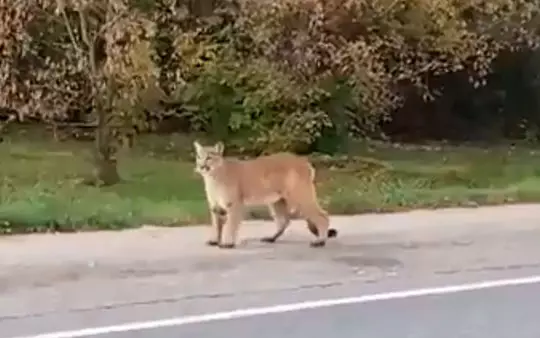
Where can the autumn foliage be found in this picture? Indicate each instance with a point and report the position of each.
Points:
(279, 73)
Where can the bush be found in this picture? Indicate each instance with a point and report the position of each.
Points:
(283, 74)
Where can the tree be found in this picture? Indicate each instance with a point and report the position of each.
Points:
(14, 40)
(111, 44)
(282, 73)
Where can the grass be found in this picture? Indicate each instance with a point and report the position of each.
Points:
(41, 189)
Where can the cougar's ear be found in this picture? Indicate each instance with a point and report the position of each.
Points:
(198, 147)
(219, 147)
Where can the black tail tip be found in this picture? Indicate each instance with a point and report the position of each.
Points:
(332, 233)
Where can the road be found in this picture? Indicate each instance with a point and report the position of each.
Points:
(446, 273)
(503, 313)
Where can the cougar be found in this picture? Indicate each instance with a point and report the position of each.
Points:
(282, 181)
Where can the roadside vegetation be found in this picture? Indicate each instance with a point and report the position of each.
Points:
(399, 103)
(43, 184)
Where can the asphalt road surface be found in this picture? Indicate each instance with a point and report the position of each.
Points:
(438, 274)
(500, 313)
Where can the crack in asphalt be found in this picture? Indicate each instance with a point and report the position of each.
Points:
(182, 298)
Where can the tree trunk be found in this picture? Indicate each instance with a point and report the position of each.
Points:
(106, 164)
(107, 171)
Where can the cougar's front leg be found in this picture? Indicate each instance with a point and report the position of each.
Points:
(218, 216)
(232, 223)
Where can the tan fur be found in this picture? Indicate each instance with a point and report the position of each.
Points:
(283, 181)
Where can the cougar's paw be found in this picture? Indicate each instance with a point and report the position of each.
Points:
(268, 239)
(212, 242)
(227, 246)
(317, 244)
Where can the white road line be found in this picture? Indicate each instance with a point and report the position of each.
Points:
(249, 312)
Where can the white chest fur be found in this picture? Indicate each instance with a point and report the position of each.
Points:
(217, 193)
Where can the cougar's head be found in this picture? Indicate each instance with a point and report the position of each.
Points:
(208, 158)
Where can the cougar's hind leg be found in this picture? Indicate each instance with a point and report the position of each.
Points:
(318, 224)
(280, 213)
(316, 218)
(312, 227)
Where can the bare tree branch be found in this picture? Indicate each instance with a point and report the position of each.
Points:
(70, 32)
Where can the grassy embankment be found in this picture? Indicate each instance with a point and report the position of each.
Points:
(41, 190)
